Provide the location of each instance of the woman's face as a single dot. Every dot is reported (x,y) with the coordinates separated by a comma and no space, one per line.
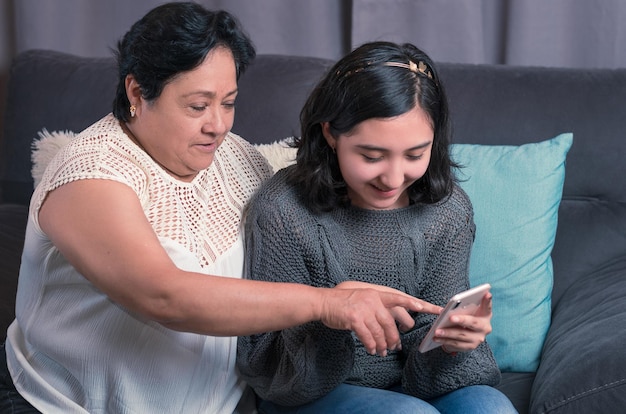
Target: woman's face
(184,126)
(381,157)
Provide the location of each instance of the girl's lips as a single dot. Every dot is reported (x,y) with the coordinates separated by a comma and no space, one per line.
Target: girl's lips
(384,193)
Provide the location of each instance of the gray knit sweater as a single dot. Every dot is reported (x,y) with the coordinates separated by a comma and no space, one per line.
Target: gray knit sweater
(421,249)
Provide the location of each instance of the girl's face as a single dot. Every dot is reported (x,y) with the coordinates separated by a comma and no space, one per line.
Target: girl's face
(381,157)
(184,126)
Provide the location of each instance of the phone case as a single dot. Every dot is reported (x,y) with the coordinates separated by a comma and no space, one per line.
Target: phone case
(465,303)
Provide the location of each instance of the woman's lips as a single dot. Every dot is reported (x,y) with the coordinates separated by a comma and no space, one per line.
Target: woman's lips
(209,147)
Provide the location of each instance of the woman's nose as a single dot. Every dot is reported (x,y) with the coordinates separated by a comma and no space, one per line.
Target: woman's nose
(215,122)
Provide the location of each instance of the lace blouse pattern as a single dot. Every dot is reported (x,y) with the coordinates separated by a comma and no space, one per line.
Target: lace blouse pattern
(202,215)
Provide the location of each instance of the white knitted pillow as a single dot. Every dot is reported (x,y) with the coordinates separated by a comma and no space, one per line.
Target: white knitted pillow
(45,148)
(278,153)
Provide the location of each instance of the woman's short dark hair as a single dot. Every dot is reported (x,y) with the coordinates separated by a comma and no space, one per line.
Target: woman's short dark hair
(367,84)
(174,38)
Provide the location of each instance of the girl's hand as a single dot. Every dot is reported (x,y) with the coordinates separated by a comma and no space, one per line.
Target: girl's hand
(468,332)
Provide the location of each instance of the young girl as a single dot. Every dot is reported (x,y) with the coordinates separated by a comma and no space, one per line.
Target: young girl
(371,198)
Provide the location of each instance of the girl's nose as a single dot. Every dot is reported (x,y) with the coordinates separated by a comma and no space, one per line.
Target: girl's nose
(393,177)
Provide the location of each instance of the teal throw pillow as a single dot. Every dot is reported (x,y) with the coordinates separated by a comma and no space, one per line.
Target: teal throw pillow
(516,192)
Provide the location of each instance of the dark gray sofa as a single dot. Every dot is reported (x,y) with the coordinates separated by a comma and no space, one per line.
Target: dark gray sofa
(583,363)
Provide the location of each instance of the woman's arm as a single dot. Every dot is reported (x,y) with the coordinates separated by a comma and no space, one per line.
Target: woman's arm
(100,227)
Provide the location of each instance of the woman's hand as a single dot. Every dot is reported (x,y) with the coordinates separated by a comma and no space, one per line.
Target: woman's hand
(468,332)
(371,311)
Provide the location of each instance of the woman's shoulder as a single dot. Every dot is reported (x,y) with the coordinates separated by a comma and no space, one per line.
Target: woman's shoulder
(93,153)
(243,159)
(85,154)
(238,168)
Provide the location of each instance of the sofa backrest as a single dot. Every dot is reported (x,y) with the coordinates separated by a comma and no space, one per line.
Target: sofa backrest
(490,104)
(496,104)
(58,91)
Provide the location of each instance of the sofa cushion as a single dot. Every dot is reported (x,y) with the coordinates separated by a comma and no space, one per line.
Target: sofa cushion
(583,369)
(517,386)
(515,191)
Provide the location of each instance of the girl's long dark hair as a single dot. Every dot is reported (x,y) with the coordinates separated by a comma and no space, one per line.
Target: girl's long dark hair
(361,86)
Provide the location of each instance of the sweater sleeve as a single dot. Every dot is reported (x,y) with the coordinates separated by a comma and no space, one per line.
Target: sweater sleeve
(297,365)
(434,373)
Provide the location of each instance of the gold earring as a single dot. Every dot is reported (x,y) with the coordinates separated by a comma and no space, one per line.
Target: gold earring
(133,109)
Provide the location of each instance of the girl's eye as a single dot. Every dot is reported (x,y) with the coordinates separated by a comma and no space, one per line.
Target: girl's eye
(415,157)
(372,159)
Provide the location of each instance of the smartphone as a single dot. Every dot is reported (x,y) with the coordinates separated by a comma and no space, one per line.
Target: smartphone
(464,303)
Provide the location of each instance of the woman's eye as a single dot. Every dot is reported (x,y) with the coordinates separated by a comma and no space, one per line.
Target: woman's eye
(198,107)
(229,105)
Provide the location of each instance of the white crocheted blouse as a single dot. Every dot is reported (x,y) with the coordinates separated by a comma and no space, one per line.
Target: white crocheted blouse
(71,349)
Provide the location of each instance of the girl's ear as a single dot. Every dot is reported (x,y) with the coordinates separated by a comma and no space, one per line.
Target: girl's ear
(330,140)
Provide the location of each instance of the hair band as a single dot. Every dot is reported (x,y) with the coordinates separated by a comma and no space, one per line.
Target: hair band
(420,67)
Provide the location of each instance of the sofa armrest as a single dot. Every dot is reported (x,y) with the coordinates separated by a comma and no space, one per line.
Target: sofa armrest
(583,368)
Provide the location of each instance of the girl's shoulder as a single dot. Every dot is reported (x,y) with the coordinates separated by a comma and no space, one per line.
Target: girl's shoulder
(277,189)
(459,198)
(456,207)
(277,198)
